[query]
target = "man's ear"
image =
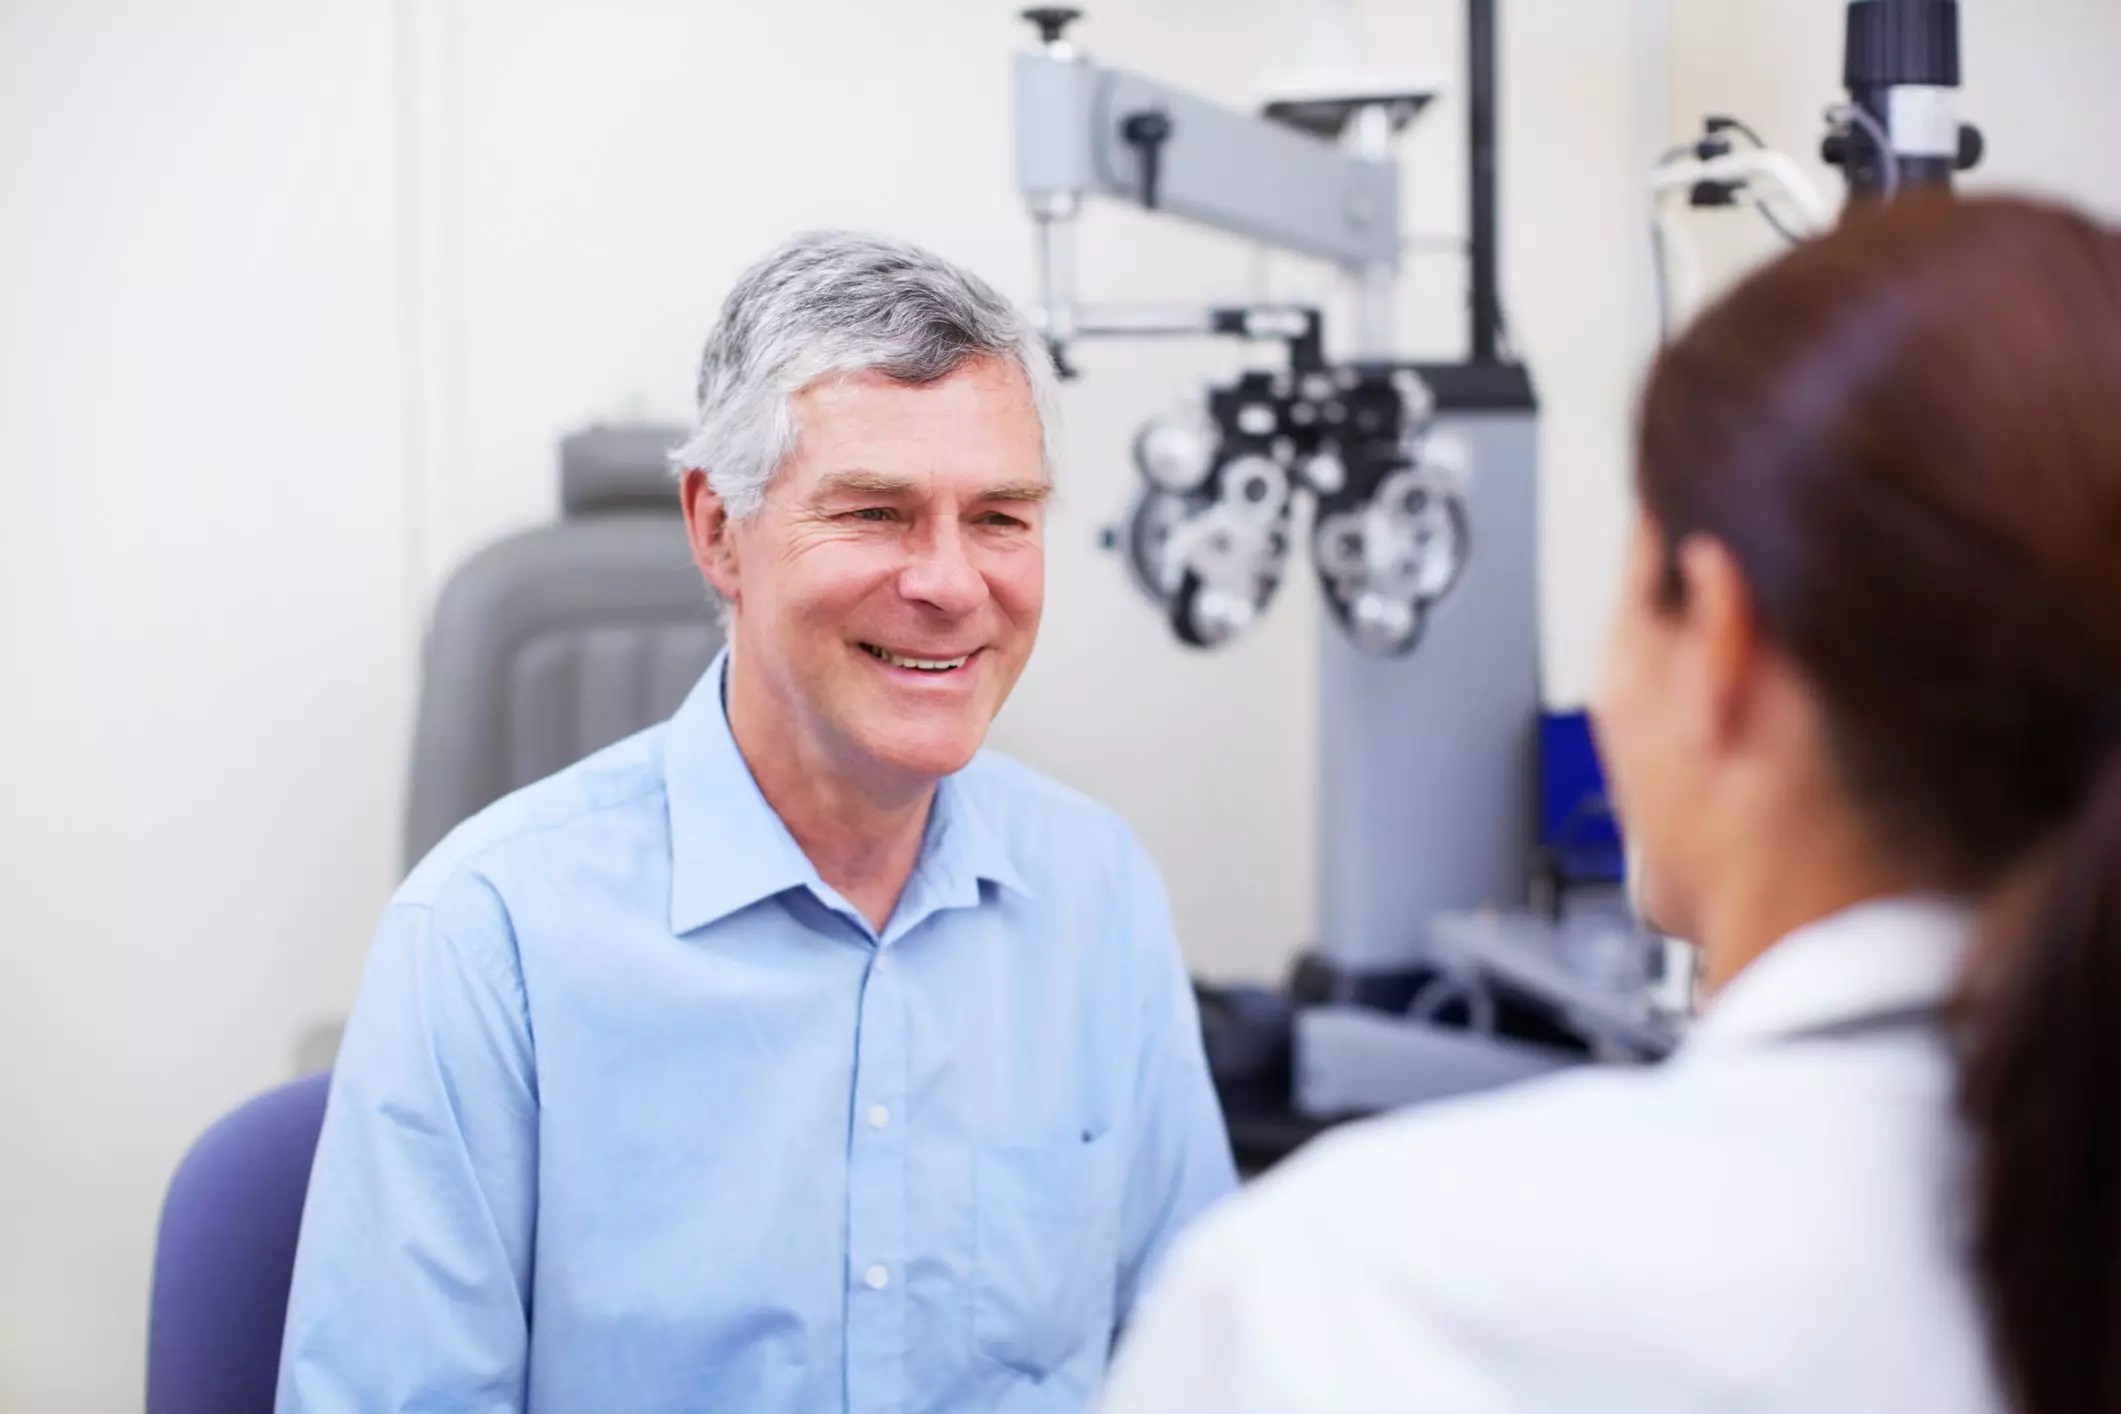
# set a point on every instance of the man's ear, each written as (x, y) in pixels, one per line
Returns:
(708, 527)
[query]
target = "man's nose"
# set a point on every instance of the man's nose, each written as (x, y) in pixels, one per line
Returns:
(940, 572)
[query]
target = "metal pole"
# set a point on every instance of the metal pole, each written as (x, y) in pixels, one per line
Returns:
(1055, 214)
(1378, 283)
(1482, 102)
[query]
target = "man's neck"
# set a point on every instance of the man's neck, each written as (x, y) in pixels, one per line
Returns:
(862, 838)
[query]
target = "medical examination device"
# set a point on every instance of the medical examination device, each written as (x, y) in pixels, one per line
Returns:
(1415, 485)
(1897, 130)
(1211, 534)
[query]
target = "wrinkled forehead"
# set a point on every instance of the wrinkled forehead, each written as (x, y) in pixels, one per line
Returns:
(971, 433)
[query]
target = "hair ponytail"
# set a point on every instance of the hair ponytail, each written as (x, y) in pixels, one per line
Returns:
(2042, 1093)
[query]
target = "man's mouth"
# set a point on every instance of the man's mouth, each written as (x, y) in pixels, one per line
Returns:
(919, 665)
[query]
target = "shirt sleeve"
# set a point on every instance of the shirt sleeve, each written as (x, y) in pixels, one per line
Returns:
(412, 1279)
(1181, 1164)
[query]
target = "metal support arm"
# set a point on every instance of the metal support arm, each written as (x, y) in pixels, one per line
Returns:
(1253, 178)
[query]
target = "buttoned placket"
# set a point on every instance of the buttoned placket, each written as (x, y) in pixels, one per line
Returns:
(877, 1319)
(878, 1245)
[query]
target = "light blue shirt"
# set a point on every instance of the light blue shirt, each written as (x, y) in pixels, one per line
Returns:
(636, 1113)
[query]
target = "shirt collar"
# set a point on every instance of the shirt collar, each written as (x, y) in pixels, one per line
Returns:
(1880, 957)
(729, 849)
(964, 846)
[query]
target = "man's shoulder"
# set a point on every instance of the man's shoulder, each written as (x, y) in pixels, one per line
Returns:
(617, 791)
(1054, 820)
(1004, 780)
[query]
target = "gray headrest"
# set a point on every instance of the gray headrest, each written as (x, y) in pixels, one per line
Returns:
(618, 468)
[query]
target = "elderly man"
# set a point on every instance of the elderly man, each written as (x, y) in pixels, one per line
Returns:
(794, 1055)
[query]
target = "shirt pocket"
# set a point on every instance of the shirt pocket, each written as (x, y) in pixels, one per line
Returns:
(1046, 1250)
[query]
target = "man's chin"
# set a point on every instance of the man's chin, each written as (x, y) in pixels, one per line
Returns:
(926, 757)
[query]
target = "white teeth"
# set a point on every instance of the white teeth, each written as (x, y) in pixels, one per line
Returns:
(926, 665)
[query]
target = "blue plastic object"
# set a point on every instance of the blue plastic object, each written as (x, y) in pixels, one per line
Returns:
(1577, 830)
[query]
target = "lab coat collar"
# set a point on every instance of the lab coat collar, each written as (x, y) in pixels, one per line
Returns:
(730, 849)
(1879, 958)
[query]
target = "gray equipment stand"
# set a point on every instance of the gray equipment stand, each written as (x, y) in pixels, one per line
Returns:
(1429, 791)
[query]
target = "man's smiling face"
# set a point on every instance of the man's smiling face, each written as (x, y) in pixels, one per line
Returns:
(887, 594)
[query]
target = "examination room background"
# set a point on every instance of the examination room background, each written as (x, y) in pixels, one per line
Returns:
(296, 298)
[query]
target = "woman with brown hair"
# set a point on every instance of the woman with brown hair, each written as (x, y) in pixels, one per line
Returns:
(1861, 710)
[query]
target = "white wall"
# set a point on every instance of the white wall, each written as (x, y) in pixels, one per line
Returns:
(294, 301)
(203, 610)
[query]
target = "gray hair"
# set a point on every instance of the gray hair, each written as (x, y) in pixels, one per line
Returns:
(829, 304)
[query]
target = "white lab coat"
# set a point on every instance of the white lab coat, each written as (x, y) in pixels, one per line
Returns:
(1767, 1221)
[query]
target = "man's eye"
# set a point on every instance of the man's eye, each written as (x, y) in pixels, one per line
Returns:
(875, 513)
(1007, 522)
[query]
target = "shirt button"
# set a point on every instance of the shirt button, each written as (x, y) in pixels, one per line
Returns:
(883, 960)
(878, 1116)
(877, 1278)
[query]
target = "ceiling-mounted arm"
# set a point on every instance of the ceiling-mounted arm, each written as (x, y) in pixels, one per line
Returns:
(1248, 176)
(1085, 130)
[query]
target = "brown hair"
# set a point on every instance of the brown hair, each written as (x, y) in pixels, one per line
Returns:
(1908, 435)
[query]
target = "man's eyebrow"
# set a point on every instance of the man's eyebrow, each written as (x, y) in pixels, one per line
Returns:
(1022, 492)
(863, 483)
(877, 483)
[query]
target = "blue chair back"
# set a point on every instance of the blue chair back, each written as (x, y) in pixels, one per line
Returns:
(225, 1256)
